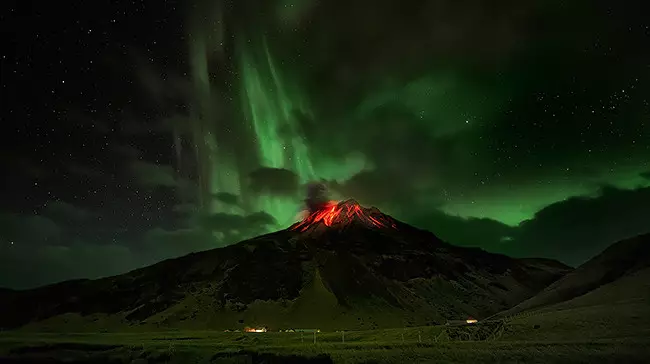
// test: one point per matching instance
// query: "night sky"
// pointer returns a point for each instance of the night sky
(136, 131)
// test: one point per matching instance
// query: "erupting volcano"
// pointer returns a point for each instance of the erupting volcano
(343, 213)
(342, 266)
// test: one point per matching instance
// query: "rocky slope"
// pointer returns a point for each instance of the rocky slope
(343, 267)
(601, 279)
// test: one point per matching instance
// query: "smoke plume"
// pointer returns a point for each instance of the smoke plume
(317, 197)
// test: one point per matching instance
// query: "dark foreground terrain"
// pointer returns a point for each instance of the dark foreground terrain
(597, 313)
(346, 267)
(609, 324)
(419, 345)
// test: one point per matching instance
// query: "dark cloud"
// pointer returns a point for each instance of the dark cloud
(237, 226)
(24, 266)
(645, 175)
(66, 212)
(580, 227)
(406, 160)
(162, 243)
(223, 222)
(391, 33)
(39, 257)
(374, 188)
(260, 219)
(28, 229)
(274, 181)
(227, 198)
(571, 231)
(389, 189)
(488, 234)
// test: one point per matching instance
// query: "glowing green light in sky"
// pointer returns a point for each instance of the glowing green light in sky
(271, 104)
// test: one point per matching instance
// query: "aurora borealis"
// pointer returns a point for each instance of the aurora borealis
(271, 107)
(142, 132)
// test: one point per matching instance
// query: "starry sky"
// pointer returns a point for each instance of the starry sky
(135, 131)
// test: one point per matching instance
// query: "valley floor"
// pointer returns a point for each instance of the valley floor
(572, 332)
(438, 344)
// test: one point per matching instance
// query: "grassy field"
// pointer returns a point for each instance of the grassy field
(612, 325)
(415, 345)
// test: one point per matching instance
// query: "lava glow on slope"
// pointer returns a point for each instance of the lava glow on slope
(335, 213)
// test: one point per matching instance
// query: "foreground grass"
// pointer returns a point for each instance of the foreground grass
(237, 339)
(419, 345)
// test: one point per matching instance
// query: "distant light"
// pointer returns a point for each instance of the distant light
(472, 321)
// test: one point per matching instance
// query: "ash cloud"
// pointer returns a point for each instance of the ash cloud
(316, 197)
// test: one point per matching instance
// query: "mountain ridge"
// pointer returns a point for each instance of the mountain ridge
(374, 271)
(620, 260)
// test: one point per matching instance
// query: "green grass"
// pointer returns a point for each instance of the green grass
(425, 344)
(578, 331)
(236, 339)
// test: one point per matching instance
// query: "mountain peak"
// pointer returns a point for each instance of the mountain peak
(335, 269)
(342, 214)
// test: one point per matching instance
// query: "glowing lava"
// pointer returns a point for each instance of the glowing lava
(336, 213)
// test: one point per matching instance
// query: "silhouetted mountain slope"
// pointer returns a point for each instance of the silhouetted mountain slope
(342, 267)
(616, 269)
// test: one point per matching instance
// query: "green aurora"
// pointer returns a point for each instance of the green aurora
(442, 101)
(271, 104)
(517, 127)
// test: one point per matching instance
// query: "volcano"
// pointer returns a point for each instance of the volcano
(343, 267)
(339, 214)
